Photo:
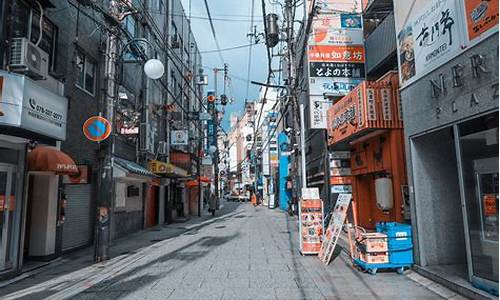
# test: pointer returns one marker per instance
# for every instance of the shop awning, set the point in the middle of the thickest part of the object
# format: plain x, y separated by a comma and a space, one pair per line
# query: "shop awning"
133, 167
193, 183
48, 159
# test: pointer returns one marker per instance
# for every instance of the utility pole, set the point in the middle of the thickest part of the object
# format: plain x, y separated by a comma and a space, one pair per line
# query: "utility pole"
106, 178
216, 126
198, 162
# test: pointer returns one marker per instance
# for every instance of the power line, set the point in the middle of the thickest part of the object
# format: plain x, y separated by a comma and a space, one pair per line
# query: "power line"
250, 51
230, 48
213, 31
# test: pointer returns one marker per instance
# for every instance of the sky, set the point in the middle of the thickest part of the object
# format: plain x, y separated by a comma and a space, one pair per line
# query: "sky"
230, 34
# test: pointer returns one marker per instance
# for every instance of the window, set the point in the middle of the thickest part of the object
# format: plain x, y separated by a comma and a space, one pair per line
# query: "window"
86, 73
130, 26
22, 28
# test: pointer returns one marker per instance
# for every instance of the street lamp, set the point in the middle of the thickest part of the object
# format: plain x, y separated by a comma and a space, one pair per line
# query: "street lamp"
154, 68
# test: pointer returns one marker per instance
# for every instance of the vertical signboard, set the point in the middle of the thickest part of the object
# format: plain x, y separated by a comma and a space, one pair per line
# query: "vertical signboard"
336, 56
311, 222
211, 123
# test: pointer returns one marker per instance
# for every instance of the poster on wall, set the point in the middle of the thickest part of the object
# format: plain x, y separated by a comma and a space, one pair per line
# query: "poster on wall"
481, 16
318, 112
430, 36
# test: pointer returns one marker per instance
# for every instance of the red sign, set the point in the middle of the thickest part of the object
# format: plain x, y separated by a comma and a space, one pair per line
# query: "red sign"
97, 128
332, 53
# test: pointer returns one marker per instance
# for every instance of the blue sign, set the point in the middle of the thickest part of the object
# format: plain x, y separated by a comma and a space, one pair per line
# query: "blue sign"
284, 160
350, 21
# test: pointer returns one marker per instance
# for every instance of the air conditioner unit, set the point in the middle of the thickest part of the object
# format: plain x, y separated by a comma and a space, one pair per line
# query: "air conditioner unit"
25, 57
174, 43
162, 148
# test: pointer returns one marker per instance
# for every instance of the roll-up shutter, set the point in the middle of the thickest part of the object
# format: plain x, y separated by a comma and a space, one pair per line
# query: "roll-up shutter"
77, 228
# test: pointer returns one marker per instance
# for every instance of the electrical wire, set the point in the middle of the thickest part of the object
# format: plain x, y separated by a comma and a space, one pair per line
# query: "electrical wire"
230, 48
249, 65
213, 31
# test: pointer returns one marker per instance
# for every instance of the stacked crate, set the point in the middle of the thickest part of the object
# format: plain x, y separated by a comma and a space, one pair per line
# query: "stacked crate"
372, 248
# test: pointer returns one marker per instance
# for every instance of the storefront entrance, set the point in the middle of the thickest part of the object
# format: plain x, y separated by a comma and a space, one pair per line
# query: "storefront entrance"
478, 140
8, 186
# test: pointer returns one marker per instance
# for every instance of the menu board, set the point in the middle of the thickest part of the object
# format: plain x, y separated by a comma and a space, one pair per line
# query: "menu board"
310, 225
334, 227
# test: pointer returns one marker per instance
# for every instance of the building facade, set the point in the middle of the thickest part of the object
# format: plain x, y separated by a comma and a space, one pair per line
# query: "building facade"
449, 92
45, 102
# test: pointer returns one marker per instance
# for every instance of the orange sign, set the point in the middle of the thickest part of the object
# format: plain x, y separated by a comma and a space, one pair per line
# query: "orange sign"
481, 16
371, 105
490, 205
332, 53
97, 128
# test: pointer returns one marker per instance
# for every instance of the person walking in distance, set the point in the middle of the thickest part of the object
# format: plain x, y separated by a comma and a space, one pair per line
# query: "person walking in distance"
253, 198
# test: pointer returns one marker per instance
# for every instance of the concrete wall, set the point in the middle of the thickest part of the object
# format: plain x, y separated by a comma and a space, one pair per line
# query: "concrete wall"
437, 213
423, 112
43, 215
431, 159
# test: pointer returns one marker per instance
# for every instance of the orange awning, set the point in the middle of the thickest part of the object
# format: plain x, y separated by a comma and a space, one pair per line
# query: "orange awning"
48, 159
193, 183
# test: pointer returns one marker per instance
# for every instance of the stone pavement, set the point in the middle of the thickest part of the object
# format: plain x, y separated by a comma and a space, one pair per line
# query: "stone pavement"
247, 253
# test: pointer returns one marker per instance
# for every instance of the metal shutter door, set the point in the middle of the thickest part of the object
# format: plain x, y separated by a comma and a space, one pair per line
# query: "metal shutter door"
77, 228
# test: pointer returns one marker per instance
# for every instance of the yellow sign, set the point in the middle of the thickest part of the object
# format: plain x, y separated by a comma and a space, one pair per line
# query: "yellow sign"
159, 167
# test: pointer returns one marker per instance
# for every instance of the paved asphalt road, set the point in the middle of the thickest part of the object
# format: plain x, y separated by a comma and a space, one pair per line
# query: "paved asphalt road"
246, 253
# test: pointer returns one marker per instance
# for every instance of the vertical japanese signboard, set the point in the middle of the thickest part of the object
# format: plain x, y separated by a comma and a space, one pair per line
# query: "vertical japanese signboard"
211, 125
336, 55
311, 222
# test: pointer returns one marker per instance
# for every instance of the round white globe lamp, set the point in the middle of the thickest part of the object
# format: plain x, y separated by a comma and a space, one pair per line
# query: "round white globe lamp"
154, 68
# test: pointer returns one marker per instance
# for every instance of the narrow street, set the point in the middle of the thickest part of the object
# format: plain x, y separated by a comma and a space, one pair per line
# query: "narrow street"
245, 252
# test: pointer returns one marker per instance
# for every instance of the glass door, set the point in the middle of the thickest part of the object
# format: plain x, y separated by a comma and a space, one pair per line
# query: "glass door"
478, 148
7, 207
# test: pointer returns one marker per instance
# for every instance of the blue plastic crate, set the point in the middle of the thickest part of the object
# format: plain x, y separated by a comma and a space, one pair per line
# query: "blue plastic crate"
398, 235
400, 242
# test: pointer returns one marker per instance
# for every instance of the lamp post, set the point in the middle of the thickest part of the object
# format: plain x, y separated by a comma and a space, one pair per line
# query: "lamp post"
153, 69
